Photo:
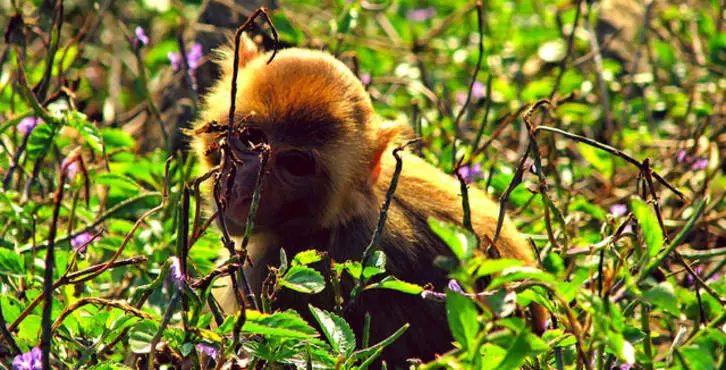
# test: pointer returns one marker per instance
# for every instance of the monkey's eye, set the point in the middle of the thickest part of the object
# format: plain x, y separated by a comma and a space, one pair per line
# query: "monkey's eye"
297, 163
248, 137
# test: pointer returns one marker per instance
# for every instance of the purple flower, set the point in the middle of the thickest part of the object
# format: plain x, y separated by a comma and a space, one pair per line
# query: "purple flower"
174, 59
455, 287
27, 124
460, 98
81, 241
690, 279
194, 56
365, 78
618, 210
699, 164
420, 15
208, 350
28, 360
141, 36
176, 272
71, 168
477, 91
471, 173
681, 156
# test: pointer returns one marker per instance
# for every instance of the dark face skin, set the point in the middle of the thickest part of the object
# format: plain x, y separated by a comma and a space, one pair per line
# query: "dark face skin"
293, 185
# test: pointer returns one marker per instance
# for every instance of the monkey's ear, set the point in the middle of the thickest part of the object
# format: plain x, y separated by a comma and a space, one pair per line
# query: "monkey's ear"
387, 133
247, 51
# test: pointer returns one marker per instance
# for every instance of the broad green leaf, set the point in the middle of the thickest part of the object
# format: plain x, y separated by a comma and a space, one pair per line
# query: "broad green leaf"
372, 351
597, 158
664, 296
649, 224
141, 336
390, 282
303, 279
336, 330
462, 315
461, 242
87, 129
287, 324
118, 182
11, 263
40, 140
520, 273
115, 138
523, 345
307, 257
494, 266
287, 31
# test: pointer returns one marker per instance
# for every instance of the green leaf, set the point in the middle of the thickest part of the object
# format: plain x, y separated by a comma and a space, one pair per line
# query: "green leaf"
287, 31
391, 282
649, 224
520, 273
461, 242
523, 345
495, 266
303, 279
116, 138
597, 158
141, 336
40, 140
87, 129
307, 257
349, 20
663, 295
373, 351
118, 182
699, 357
462, 315
11, 263
336, 330
287, 324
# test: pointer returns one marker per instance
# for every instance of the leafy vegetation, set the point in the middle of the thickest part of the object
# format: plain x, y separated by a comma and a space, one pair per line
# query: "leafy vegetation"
607, 147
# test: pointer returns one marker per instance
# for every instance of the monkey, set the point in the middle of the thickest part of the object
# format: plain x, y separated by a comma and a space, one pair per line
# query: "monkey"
329, 168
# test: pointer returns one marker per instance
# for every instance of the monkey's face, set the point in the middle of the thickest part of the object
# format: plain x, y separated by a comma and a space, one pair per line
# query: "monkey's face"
293, 187
315, 116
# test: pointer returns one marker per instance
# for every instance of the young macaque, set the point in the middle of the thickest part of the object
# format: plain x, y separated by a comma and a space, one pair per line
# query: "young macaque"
329, 168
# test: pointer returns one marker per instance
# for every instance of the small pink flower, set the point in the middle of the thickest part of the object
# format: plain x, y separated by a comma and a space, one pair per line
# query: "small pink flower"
208, 350
460, 98
699, 164
420, 15
455, 287
365, 78
195, 55
681, 156
477, 90
81, 241
471, 173
141, 36
177, 275
71, 168
29, 360
27, 125
618, 210
174, 59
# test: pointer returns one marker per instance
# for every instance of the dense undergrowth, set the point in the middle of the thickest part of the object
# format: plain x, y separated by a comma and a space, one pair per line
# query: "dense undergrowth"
602, 125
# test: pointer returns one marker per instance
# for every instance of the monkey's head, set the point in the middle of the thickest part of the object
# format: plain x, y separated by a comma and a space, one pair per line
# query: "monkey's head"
318, 120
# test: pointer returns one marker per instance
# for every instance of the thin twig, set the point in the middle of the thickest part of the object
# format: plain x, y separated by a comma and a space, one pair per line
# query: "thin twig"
383, 215
480, 21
